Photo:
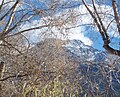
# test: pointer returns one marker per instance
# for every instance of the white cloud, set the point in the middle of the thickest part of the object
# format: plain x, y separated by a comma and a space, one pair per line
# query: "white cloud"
77, 32
106, 14
85, 18
74, 33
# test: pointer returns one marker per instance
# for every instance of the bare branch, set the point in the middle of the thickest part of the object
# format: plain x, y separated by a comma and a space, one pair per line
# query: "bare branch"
95, 20
34, 28
9, 11
17, 24
111, 50
102, 29
116, 15
10, 19
12, 76
1, 4
8, 44
101, 23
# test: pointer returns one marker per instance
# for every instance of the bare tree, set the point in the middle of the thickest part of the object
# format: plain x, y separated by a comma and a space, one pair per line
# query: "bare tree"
100, 25
45, 69
23, 64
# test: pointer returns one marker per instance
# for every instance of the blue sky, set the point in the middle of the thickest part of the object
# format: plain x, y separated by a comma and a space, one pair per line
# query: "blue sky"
87, 34
95, 35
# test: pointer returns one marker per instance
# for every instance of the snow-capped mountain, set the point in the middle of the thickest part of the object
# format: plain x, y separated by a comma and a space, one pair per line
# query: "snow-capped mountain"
97, 71
77, 50
82, 51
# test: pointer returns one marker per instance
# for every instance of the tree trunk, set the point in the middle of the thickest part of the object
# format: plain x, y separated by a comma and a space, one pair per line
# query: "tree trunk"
111, 50
1, 69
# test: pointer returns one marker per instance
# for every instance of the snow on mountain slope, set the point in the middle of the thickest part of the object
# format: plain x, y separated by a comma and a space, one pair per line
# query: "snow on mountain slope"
82, 51
99, 71
95, 71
